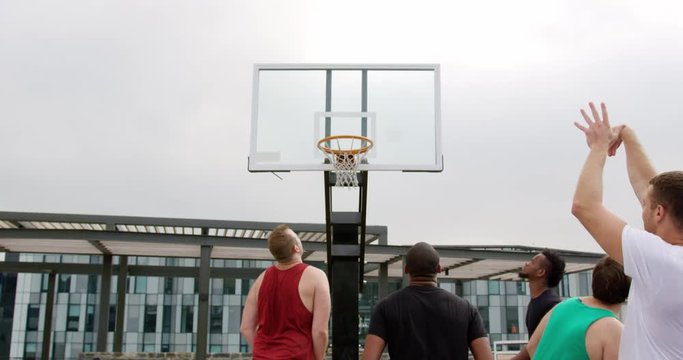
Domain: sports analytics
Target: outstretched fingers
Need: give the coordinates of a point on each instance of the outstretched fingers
(605, 118)
(598, 130)
(596, 116)
(596, 119)
(587, 118)
(580, 127)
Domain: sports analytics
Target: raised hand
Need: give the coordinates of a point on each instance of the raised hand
(598, 131)
(617, 140)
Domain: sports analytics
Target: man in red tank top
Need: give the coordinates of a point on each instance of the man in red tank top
(287, 311)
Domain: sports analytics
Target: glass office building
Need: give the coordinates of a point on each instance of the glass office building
(161, 312)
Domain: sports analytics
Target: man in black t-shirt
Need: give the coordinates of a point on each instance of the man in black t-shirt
(423, 321)
(544, 272)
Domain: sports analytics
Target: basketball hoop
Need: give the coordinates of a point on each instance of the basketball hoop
(345, 153)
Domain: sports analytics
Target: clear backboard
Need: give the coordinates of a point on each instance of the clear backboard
(398, 107)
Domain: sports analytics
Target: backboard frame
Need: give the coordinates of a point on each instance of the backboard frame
(254, 165)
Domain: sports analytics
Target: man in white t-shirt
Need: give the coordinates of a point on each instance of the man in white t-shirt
(652, 258)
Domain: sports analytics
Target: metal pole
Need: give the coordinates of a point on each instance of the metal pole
(406, 279)
(328, 102)
(105, 291)
(362, 207)
(203, 315)
(344, 291)
(328, 223)
(47, 325)
(383, 281)
(120, 303)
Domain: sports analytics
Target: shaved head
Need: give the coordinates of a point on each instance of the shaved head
(422, 260)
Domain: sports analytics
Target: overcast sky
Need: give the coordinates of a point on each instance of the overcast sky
(143, 108)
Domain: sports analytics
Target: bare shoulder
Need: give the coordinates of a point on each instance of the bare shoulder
(604, 330)
(608, 323)
(314, 280)
(314, 274)
(602, 339)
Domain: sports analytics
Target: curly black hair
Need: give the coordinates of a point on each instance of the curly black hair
(554, 267)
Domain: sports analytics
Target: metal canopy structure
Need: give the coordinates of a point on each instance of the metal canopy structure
(123, 236)
(141, 236)
(480, 262)
(245, 240)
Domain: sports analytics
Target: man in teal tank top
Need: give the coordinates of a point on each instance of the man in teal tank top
(586, 327)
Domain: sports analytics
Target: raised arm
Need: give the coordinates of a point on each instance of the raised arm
(604, 226)
(640, 169)
(250, 313)
(321, 314)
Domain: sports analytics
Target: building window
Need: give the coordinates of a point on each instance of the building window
(90, 318)
(186, 318)
(150, 318)
(166, 320)
(584, 284)
(246, 285)
(564, 286)
(521, 288)
(229, 286)
(72, 318)
(112, 317)
(168, 286)
(45, 281)
(494, 287)
(92, 284)
(58, 350)
(30, 351)
(511, 315)
(216, 323)
(141, 285)
(64, 284)
(32, 317)
(484, 313)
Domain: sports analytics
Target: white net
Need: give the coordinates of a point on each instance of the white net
(345, 153)
(346, 168)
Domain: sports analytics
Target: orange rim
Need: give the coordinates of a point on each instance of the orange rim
(329, 150)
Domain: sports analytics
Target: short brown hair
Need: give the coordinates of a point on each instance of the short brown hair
(667, 190)
(610, 284)
(280, 242)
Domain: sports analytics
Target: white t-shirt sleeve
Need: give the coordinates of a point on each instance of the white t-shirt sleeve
(642, 253)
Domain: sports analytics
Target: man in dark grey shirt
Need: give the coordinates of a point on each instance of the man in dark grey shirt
(544, 272)
(423, 321)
